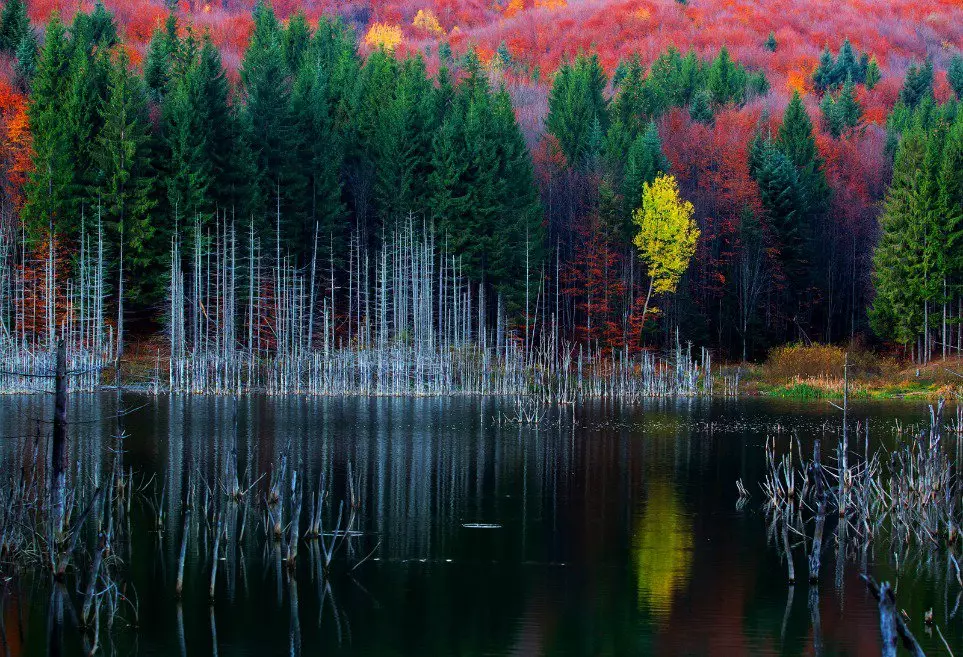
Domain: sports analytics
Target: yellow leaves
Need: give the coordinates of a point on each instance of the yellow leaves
(662, 546)
(667, 233)
(643, 14)
(426, 20)
(550, 4)
(384, 36)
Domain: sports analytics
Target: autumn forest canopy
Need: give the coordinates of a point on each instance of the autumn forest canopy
(630, 174)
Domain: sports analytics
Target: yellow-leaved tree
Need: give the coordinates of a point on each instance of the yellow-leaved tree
(384, 36)
(667, 236)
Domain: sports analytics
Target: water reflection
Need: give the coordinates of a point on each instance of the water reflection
(662, 544)
(616, 536)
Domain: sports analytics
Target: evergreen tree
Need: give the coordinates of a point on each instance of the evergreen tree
(847, 65)
(783, 203)
(873, 75)
(47, 191)
(797, 141)
(771, 43)
(824, 74)
(267, 82)
(831, 118)
(899, 274)
(163, 48)
(701, 108)
(321, 154)
(26, 65)
(296, 40)
(125, 190)
(14, 25)
(187, 168)
(954, 74)
(644, 163)
(575, 104)
(848, 109)
(917, 85)
(726, 80)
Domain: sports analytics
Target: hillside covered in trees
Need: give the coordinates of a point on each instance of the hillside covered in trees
(816, 147)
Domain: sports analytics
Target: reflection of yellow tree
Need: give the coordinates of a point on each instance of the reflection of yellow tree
(662, 544)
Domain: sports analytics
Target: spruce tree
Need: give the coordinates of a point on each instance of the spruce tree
(848, 109)
(644, 163)
(14, 25)
(783, 203)
(899, 275)
(797, 141)
(267, 82)
(321, 155)
(576, 104)
(824, 74)
(954, 74)
(771, 43)
(26, 65)
(917, 85)
(873, 75)
(125, 189)
(47, 190)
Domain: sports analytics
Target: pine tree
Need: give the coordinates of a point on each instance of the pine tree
(267, 83)
(26, 65)
(848, 109)
(899, 275)
(847, 65)
(771, 43)
(782, 200)
(14, 25)
(161, 52)
(321, 154)
(825, 71)
(797, 141)
(873, 75)
(831, 118)
(576, 103)
(296, 40)
(918, 84)
(954, 74)
(726, 80)
(645, 162)
(188, 170)
(47, 190)
(126, 181)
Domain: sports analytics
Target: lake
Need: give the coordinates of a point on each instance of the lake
(616, 533)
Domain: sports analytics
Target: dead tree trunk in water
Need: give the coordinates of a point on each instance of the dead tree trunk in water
(818, 478)
(58, 458)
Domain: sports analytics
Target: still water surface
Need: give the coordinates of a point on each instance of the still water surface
(618, 535)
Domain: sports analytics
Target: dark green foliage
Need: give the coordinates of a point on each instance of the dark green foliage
(48, 187)
(918, 84)
(797, 141)
(161, 54)
(125, 184)
(26, 65)
(843, 112)
(576, 106)
(267, 84)
(873, 75)
(954, 74)
(849, 65)
(782, 195)
(14, 25)
(771, 43)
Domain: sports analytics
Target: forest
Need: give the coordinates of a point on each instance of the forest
(716, 194)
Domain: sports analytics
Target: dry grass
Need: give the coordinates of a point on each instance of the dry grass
(823, 365)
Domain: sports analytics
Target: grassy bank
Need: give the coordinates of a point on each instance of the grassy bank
(816, 372)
